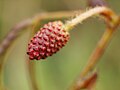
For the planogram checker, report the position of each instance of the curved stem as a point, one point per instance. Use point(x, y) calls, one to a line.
point(37, 19)
point(5, 45)
point(100, 48)
point(89, 81)
point(32, 75)
point(107, 13)
point(98, 52)
point(13, 34)
point(18, 28)
point(95, 57)
point(113, 23)
point(31, 65)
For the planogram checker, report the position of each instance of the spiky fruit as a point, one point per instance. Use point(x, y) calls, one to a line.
point(48, 40)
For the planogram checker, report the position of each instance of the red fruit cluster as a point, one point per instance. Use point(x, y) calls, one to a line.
point(47, 41)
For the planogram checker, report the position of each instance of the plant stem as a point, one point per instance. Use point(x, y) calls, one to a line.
point(20, 27)
point(31, 65)
point(32, 75)
point(9, 38)
point(38, 19)
point(14, 32)
point(89, 82)
point(95, 57)
point(99, 50)
point(107, 13)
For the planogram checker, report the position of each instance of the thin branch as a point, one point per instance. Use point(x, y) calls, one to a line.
point(13, 34)
point(32, 75)
point(29, 22)
point(89, 81)
point(31, 65)
point(6, 43)
point(99, 10)
point(99, 50)
point(106, 12)
point(37, 19)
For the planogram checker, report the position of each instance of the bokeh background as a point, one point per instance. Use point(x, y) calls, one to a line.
point(58, 72)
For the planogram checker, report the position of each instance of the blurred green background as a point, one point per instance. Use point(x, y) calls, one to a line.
point(58, 71)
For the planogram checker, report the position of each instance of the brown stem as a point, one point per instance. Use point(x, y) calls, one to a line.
point(100, 48)
point(14, 33)
point(32, 75)
point(98, 52)
point(37, 19)
point(89, 81)
point(6, 43)
point(107, 13)
point(31, 65)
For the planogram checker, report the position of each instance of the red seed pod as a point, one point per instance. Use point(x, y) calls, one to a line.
point(48, 40)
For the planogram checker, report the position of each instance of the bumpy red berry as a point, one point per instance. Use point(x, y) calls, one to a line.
point(48, 40)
